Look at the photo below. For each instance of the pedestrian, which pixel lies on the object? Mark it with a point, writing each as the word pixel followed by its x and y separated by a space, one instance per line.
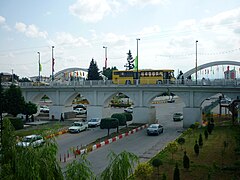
pixel 62 119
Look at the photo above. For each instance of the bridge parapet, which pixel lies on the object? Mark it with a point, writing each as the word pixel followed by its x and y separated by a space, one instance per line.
pixel 90 83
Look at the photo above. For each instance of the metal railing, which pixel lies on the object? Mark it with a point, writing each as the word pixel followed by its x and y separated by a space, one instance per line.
pixel 178 82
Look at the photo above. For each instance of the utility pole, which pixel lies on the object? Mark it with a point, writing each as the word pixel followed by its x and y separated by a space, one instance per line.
pixel 137 57
pixel 105 56
pixel 39 67
pixel 196 60
pixel 53 62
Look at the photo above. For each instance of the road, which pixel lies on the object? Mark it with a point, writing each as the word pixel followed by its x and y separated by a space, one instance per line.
pixel 138 143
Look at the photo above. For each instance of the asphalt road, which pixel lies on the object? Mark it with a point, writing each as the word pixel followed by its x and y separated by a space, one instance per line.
pixel 138 143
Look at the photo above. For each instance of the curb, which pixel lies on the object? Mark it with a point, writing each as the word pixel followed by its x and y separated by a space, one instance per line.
pixel 106 142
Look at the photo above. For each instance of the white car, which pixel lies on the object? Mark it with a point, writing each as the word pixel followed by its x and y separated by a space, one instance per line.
pixel 178 116
pixel 80 111
pixel 154 129
pixel 44 109
pixel 128 110
pixel 94 122
pixel 78 127
pixel 31 140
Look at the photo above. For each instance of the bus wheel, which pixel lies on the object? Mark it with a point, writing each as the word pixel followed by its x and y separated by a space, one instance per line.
pixel 127 82
pixel 159 82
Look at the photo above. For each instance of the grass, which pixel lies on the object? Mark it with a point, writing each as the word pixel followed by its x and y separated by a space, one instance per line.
pixel 214 161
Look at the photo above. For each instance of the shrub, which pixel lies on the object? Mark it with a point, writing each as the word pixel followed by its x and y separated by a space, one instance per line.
pixel 186 164
pixel 200 140
pixel 129 116
pixel 121 118
pixel 109 123
pixel 196 148
pixel 181 141
pixel 206 134
pixel 176 175
pixel 143 171
pixel 17 123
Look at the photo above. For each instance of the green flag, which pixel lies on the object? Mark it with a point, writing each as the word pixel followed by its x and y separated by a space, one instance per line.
pixel 136 63
pixel 40 67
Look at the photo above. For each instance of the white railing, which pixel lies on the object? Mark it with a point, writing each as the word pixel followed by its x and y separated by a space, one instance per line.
pixel 214 82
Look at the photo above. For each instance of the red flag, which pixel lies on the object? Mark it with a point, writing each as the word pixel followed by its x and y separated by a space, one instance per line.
pixel 53 62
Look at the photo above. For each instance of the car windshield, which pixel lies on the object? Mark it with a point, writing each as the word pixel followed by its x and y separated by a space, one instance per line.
pixel 93 120
pixel 76 124
pixel 153 126
pixel 27 139
pixel 178 114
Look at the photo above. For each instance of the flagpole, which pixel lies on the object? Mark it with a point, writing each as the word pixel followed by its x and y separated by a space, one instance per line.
pixel 52 64
pixel 39 66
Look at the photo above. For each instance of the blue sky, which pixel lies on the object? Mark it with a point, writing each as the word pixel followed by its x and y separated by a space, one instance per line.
pixel 79 29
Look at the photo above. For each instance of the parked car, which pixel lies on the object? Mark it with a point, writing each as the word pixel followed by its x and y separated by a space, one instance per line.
pixel 128 110
pixel 178 116
pixel 94 122
pixel 171 101
pixel 77 127
pixel 80 111
pixel 31 140
pixel 154 129
pixel 44 109
pixel 226 100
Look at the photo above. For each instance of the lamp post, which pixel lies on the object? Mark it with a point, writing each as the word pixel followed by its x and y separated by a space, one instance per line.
pixel 137 58
pixel 105 56
pixel 196 60
pixel 39 66
pixel 52 64
pixel 1 107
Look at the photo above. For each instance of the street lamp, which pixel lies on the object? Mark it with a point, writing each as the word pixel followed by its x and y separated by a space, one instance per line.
pixel 137 57
pixel 196 60
pixel 105 56
pixel 1 107
pixel 52 64
pixel 39 67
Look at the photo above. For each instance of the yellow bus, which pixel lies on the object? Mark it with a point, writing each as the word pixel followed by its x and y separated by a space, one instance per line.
pixel 159 76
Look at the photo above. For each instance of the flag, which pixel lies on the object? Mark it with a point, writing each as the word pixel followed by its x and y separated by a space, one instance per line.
pixel 40 67
pixel 53 62
pixel 136 63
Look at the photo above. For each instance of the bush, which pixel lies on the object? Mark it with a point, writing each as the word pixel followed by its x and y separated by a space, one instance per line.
pixel 129 116
pixel 121 118
pixel 17 123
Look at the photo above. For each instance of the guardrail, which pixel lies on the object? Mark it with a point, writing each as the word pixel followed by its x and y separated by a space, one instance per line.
pixel 215 82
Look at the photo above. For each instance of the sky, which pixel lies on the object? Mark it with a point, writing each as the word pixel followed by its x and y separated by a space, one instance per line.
pixel 78 30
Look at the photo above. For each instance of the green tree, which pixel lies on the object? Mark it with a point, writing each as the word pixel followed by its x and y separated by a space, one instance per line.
pixel 79 170
pixel 157 163
pixel 120 166
pixel 93 71
pixel 181 141
pixel 172 147
pixel 13 100
pixel 29 109
pixel 196 148
pixel 176 174
pixel 186 161
pixel 27 162
pixel 109 123
pixel 121 118
pixel 130 61
pixel 143 171
pixel 108 72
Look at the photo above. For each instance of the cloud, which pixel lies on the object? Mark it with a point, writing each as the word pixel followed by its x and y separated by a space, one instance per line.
pixel 90 11
pixel 148 31
pixel 64 38
pixel 30 30
pixel 2 20
pixel 115 40
pixel 145 2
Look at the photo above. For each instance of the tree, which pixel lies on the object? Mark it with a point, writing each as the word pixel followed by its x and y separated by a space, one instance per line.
pixel 93 71
pixel 109 123
pixel 29 109
pixel 79 170
pixel 120 166
pixel 200 140
pixel 157 163
pixel 28 162
pixel 108 72
pixel 121 118
pixel 172 147
pixel 181 141
pixel 130 61
pixel 176 174
pixel 14 101
pixel 186 163
pixel 143 171
pixel 196 148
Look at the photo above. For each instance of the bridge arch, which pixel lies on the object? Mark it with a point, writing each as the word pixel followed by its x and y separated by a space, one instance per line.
pixel 215 63
pixel 61 73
